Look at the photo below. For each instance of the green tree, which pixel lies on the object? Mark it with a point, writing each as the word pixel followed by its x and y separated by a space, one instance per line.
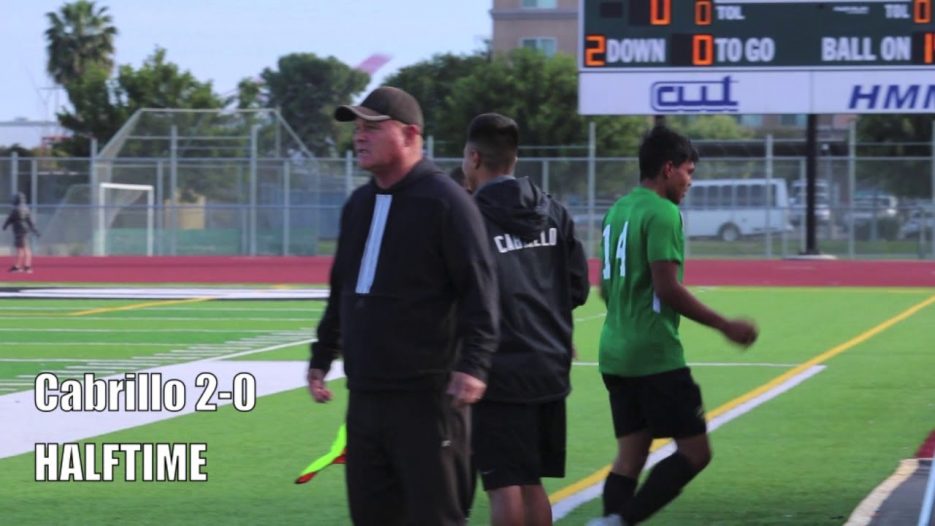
pixel 699 127
pixel 249 94
pixel 162 84
pixel 102 105
pixel 432 81
pixel 541 94
pixel 306 89
pixel 901 135
pixel 80 37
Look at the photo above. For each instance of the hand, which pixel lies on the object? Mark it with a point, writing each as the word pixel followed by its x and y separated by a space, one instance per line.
pixel 465 389
pixel 741 332
pixel 316 386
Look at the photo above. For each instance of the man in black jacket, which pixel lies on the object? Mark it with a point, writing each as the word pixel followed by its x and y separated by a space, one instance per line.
pixel 412 309
pixel 519 426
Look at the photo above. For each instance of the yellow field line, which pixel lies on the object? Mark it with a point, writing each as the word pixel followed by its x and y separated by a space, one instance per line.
pixel 601 474
pixel 139 306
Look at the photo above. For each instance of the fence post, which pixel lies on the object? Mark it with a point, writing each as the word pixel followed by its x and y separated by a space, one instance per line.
pixel 852 184
pixel 801 204
pixel 769 198
pixel 286 212
pixel 14 173
pixel 97 209
pixel 34 189
pixel 174 189
pixel 591 186
pixel 251 214
pixel 160 206
pixel 545 175
pixel 348 173
pixel 34 184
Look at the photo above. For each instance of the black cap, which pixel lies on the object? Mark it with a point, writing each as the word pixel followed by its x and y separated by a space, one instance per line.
pixel 383 104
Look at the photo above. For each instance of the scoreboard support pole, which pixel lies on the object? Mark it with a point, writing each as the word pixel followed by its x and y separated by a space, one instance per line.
pixel 811 170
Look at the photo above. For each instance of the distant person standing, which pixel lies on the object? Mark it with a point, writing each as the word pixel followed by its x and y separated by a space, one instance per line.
pixel 519 432
pixel 413 311
pixel 22 224
pixel 651 390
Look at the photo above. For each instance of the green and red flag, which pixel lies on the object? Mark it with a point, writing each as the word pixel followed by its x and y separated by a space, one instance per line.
pixel 335 455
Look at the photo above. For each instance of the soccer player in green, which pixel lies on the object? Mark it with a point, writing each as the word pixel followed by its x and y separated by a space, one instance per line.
pixel 651 390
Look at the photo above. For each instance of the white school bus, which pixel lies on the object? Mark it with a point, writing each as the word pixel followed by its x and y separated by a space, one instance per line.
pixel 729 209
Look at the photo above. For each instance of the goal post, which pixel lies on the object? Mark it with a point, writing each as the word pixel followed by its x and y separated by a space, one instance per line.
pixel 109 209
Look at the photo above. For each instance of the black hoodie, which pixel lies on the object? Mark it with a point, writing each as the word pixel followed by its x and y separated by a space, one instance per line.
pixel 421 301
pixel 543 276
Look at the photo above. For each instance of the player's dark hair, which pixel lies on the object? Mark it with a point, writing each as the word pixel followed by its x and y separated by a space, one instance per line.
pixel 496 138
pixel 661 145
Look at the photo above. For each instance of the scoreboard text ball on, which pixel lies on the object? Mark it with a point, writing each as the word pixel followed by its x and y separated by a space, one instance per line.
pixel 639 57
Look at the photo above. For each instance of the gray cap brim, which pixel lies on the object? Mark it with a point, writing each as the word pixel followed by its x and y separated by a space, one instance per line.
pixel 350 113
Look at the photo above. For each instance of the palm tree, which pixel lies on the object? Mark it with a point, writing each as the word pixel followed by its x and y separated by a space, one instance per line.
pixel 79 36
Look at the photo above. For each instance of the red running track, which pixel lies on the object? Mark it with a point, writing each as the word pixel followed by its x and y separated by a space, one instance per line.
pixel 314 270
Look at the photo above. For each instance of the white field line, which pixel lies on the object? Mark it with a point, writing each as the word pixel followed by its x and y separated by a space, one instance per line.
pixel 43 360
pixel 19 330
pixel 592 317
pixel 310 308
pixel 169 293
pixel 565 506
pixel 118 317
pixel 30 426
pixel 196 352
pixel 713 364
pixel 66 344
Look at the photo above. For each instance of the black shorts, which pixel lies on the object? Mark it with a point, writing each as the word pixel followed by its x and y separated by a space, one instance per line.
pixel 407 459
pixel 517 444
pixel 19 241
pixel 668 404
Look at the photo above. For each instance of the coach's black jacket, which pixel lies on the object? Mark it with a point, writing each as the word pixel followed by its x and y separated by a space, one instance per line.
pixel 432 305
pixel 543 275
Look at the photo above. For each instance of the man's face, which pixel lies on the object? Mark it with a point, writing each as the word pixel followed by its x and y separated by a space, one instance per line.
pixel 678 179
pixel 378 144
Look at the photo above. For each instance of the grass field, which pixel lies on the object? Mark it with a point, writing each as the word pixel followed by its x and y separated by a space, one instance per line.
pixel 807 456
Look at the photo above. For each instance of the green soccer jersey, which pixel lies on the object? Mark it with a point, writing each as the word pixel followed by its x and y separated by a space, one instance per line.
pixel 641 334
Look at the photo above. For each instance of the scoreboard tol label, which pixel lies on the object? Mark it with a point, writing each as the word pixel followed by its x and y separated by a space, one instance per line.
pixel 756 56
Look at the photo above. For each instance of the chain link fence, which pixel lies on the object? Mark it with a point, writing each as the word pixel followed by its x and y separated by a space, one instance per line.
pixel 866 207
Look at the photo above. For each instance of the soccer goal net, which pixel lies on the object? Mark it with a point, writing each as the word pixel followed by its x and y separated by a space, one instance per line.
pixel 125 219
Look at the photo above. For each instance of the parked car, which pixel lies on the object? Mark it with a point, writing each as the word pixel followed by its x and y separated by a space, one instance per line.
pixel 797 203
pixel 919 222
pixel 873 207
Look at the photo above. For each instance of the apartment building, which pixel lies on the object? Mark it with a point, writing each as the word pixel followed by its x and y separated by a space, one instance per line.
pixel 550 26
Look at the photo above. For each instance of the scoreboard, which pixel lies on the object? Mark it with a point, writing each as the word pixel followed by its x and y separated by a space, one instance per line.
pixel 756 56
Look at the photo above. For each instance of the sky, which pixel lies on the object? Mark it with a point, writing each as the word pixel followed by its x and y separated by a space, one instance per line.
pixel 227 40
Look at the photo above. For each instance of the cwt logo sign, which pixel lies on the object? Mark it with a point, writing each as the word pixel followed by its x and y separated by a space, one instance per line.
pixel 712 96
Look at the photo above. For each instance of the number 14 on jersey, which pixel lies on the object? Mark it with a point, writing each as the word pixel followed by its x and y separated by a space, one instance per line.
pixel 619 254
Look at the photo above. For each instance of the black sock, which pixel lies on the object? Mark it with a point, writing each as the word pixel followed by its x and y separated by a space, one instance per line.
pixel 664 483
pixel 618 490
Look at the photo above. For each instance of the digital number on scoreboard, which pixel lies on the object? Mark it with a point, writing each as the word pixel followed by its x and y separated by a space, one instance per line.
pixel 793 56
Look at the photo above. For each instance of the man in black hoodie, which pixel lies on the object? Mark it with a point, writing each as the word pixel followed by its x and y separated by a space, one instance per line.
pixel 519 426
pixel 412 309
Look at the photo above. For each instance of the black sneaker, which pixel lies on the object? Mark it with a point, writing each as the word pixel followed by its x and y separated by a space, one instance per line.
pixel 14 268
pixel 27 270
